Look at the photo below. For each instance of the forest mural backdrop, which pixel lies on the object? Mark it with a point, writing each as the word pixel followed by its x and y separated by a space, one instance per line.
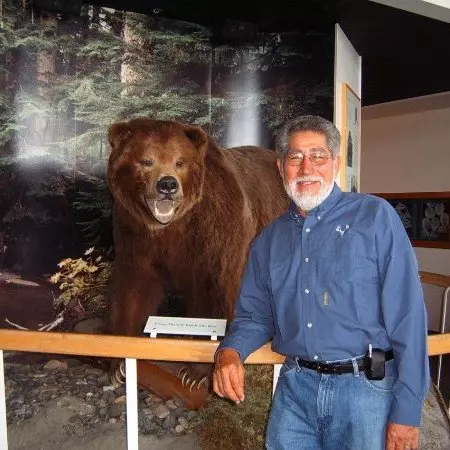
pixel 64 79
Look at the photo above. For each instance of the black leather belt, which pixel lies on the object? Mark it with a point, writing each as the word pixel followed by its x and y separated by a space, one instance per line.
pixel 337 368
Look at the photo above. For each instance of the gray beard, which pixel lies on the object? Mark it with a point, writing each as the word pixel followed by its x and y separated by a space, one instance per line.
pixel 305 201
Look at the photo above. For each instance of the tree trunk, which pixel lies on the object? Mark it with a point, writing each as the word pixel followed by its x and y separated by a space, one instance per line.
pixel 135 44
pixel 45 72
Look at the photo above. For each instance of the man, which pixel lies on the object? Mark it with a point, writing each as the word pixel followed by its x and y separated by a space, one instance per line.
pixel 334 282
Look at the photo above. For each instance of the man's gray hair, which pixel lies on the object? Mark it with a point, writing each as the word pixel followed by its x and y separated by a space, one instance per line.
pixel 316 124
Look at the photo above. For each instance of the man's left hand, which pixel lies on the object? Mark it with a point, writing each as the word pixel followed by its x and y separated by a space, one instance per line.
pixel 402 437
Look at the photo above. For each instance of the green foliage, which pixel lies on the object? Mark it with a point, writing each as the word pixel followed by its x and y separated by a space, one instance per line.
pixel 83 280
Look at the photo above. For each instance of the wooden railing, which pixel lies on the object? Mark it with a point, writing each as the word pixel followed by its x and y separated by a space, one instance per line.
pixel 161 349
pixel 435 278
pixel 442 281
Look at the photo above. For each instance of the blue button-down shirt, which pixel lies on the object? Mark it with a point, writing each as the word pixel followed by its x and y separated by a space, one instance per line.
pixel 326 286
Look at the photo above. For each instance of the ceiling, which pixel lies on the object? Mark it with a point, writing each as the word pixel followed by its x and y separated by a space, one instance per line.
pixel 403 54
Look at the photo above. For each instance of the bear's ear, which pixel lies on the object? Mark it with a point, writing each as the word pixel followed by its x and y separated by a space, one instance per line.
pixel 196 135
pixel 118 133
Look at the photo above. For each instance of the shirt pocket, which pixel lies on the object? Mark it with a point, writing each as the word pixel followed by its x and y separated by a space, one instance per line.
pixel 354 259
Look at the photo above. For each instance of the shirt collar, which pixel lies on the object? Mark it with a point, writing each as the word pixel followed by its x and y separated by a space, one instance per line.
pixel 321 209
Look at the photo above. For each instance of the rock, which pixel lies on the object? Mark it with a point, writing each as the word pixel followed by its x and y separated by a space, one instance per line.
pixel 71 362
pixel 93 371
pixel 109 388
pixel 56 364
pixel 179 428
pixel 109 397
pixel 171 405
pixel 76 371
pixel 103 380
pixel 183 421
pixel 90 326
pixel 115 410
pixel 146 426
pixel 121 400
pixel 169 422
pixel 152 398
pixel 119 391
pixel 18 400
pixel 179 412
pixel 148 413
pixel 36 375
pixel 161 410
pixel 49 389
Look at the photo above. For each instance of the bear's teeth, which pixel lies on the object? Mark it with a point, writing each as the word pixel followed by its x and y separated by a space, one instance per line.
pixel 164 207
pixel 162 210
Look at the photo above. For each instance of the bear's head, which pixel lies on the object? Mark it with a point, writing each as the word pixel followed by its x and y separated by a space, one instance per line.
pixel 156 168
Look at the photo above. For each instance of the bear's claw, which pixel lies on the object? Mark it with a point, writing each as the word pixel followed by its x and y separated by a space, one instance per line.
pixel 118 376
pixel 202 381
pixel 186 381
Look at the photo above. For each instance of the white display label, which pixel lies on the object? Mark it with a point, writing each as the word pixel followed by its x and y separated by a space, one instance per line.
pixel 185 326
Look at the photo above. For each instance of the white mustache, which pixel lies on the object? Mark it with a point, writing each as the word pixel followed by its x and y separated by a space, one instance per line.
pixel 307 180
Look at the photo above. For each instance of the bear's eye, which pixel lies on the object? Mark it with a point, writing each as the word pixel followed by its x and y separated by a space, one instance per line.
pixel 146 162
pixel 179 163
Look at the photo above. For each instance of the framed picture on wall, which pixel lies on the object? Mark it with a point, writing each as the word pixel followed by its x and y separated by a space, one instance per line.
pixel 425 216
pixel 350 140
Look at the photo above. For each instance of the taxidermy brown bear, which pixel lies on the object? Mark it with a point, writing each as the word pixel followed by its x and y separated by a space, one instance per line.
pixel 185 212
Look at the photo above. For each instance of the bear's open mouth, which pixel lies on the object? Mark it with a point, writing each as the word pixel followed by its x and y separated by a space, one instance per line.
pixel 162 210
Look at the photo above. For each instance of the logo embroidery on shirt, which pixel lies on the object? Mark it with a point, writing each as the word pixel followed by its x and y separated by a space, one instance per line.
pixel 342 231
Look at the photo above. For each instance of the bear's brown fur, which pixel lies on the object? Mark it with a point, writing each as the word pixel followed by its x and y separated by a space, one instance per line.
pixel 185 213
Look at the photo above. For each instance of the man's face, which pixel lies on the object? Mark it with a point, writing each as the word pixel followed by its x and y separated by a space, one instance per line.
pixel 307 184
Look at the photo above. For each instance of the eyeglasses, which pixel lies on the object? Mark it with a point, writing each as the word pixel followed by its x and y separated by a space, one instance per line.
pixel 317 157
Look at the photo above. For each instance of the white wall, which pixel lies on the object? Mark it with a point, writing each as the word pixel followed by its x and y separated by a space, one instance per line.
pixel 406 148
pixel 347 69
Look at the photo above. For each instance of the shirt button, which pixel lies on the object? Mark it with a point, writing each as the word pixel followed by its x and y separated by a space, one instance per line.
pixel 307 291
pixel 307 230
pixel 316 357
pixel 306 259
pixel 318 217
pixel 309 325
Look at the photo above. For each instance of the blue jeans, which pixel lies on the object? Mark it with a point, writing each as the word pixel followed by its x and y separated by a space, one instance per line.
pixel 329 412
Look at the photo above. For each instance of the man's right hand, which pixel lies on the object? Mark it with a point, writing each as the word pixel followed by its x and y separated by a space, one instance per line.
pixel 229 373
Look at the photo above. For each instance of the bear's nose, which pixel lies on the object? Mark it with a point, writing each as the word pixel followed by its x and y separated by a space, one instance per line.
pixel 167 185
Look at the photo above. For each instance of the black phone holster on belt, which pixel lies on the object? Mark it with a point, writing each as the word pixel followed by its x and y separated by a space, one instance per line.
pixel 375 360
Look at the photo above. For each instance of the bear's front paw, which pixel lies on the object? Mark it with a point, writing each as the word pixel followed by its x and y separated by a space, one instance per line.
pixel 117 372
pixel 192 379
